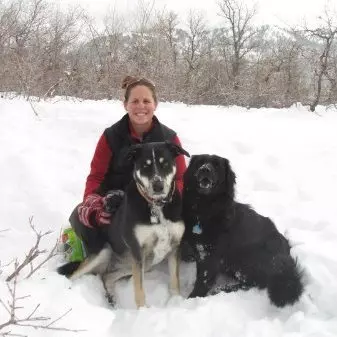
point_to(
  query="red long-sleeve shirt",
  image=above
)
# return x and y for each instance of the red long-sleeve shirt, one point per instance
(103, 156)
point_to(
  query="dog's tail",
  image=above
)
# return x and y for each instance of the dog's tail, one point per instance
(69, 268)
(285, 285)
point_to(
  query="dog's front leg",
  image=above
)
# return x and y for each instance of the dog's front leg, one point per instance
(205, 279)
(138, 279)
(173, 262)
(207, 271)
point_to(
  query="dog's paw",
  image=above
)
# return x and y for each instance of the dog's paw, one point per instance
(194, 293)
(111, 299)
(174, 300)
(112, 200)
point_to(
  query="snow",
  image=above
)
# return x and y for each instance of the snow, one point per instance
(286, 166)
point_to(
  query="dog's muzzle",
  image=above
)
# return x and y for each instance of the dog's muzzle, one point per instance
(205, 177)
(157, 185)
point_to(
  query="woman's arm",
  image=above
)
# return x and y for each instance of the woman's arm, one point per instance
(181, 166)
(99, 166)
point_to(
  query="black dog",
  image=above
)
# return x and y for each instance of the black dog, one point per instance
(147, 226)
(231, 238)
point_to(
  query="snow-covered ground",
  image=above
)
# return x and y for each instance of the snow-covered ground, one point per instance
(286, 166)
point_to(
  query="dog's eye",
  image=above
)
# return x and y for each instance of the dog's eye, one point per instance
(147, 163)
(163, 162)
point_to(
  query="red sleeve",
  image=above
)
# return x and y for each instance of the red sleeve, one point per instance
(99, 166)
(181, 167)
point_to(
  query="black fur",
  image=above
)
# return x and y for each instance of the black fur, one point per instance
(151, 190)
(233, 238)
(134, 208)
(68, 268)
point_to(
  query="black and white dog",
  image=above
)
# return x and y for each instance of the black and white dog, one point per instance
(148, 225)
(231, 238)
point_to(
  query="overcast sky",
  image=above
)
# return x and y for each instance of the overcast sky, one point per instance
(279, 12)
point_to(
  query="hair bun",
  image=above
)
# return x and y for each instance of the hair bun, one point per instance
(127, 81)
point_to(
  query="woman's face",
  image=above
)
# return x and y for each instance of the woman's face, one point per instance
(140, 106)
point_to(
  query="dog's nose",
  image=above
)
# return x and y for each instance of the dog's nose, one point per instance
(206, 168)
(157, 185)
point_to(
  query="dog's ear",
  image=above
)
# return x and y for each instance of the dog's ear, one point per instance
(190, 171)
(193, 160)
(176, 150)
(230, 177)
(133, 152)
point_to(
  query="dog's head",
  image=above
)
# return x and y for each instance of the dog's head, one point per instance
(154, 167)
(210, 175)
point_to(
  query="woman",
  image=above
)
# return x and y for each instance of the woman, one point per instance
(108, 177)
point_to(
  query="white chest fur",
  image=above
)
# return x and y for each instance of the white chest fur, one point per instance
(158, 239)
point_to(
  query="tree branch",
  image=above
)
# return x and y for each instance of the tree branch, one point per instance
(33, 253)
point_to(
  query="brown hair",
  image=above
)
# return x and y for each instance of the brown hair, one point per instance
(129, 82)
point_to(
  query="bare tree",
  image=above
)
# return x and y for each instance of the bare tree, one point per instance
(325, 36)
(31, 320)
(58, 39)
(332, 76)
(114, 26)
(33, 253)
(193, 51)
(142, 24)
(12, 303)
(22, 21)
(167, 26)
(36, 39)
(238, 33)
(196, 30)
(44, 52)
(277, 71)
(8, 21)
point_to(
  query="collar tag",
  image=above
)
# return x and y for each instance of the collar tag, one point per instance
(197, 228)
(154, 218)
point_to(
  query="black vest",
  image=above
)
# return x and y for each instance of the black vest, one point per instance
(119, 172)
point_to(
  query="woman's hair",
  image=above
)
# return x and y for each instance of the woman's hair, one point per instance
(129, 82)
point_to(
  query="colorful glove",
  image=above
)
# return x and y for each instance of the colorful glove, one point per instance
(89, 209)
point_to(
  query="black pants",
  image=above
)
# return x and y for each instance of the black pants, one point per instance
(93, 238)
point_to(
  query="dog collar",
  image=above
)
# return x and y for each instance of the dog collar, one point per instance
(155, 215)
(155, 203)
